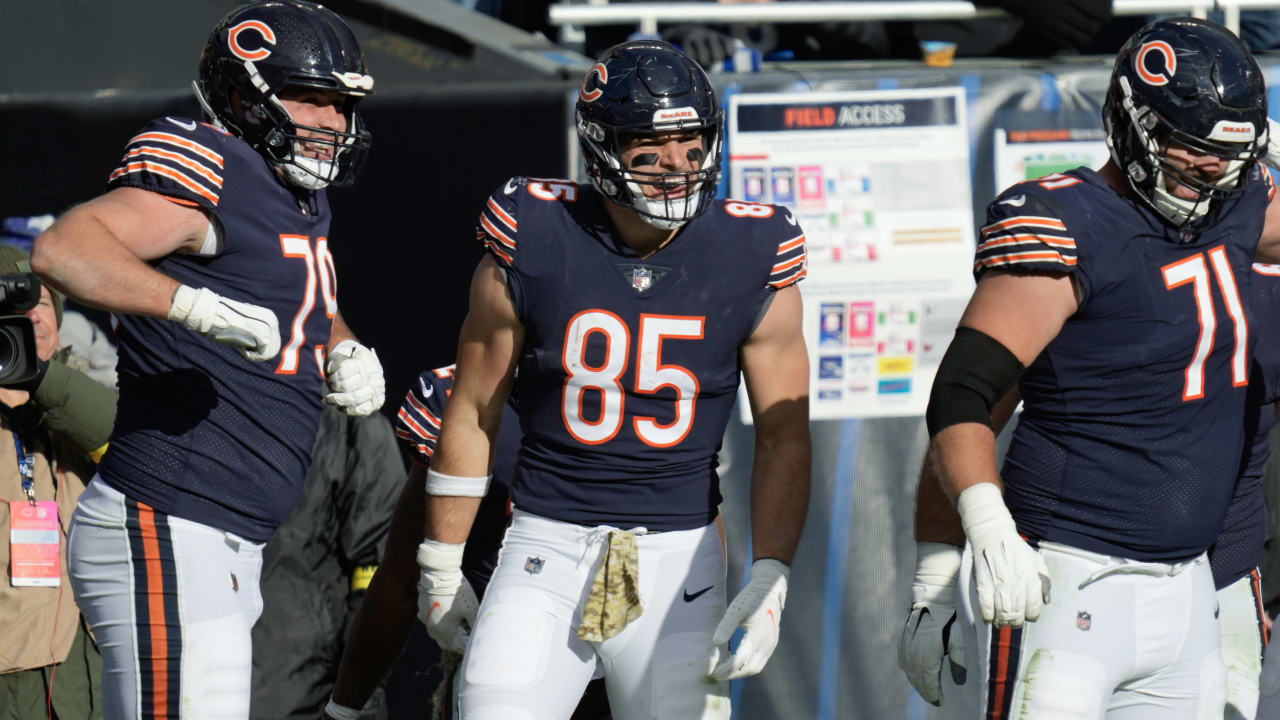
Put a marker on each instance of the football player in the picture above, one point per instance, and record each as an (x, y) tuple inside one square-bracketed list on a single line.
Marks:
[(385, 618), (630, 305), (1114, 300), (209, 234)]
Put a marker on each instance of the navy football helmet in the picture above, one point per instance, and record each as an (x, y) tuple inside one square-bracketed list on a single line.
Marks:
[(641, 88), (261, 48), (1189, 83)]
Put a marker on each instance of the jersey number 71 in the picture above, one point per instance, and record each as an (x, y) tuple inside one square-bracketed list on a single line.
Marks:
[(1193, 270)]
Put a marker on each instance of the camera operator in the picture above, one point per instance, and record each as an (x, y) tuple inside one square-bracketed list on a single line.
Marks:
[(52, 429)]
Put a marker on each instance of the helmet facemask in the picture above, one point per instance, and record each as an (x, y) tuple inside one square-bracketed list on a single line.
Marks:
[(603, 147), (342, 152)]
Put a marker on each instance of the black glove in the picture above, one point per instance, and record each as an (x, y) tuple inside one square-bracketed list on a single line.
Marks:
[(706, 46), (1066, 23)]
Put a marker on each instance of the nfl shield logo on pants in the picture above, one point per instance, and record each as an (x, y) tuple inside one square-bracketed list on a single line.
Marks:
[(1084, 620), (641, 278), (533, 565)]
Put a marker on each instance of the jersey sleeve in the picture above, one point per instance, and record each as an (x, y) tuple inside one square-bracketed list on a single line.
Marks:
[(418, 422), (497, 228), (791, 261), (175, 157), (1025, 233)]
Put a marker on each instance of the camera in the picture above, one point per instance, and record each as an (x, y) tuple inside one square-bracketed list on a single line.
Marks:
[(19, 292)]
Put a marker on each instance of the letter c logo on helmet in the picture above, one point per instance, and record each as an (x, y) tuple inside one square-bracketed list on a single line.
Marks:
[(1164, 69), (601, 72), (233, 40)]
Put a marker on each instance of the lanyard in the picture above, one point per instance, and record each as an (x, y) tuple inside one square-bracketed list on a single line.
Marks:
[(26, 467)]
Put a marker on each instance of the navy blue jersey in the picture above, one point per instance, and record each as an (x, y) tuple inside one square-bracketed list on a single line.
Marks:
[(418, 427), (1130, 440), (201, 432), (1238, 549), (629, 368)]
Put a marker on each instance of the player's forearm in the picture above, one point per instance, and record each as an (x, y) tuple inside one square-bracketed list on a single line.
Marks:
[(449, 518), (936, 517), (966, 456), (779, 495), (80, 256), (339, 331)]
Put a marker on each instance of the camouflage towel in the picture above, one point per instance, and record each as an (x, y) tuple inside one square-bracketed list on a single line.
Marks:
[(615, 593)]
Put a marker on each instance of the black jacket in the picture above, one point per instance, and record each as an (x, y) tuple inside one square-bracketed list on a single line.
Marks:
[(339, 526)]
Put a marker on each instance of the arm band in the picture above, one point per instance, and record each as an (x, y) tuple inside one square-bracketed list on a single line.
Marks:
[(975, 373), (454, 485)]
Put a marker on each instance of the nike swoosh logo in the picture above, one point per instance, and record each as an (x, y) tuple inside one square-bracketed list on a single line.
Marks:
[(1018, 201), (188, 126), (791, 218), (428, 391), (433, 608), (690, 597), (511, 186)]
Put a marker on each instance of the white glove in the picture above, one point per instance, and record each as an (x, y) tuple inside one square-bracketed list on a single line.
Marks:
[(758, 609), (446, 603), (355, 378), (930, 632), (1011, 577), (250, 329)]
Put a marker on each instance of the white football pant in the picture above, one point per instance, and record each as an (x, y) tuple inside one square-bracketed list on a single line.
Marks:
[(1120, 639), (525, 660), (1243, 640), (171, 603)]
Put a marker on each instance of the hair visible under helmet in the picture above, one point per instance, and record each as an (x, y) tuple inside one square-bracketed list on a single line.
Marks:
[(645, 88), (1192, 83), (262, 48)]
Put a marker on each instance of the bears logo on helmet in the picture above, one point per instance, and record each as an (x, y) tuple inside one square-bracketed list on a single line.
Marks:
[(601, 73), (1169, 65), (260, 49), (1186, 83), (233, 40), (646, 88)]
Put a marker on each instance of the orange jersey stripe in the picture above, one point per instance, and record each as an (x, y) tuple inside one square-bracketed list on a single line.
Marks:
[(791, 244), (497, 251), (174, 175), (417, 427), (155, 608), (1032, 220), (496, 233), (1025, 238), (502, 215), (417, 405), (191, 165), (1014, 258), (787, 264), (795, 277), (181, 142)]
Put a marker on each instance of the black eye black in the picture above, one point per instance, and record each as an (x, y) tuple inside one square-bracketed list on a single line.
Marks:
[(644, 159)]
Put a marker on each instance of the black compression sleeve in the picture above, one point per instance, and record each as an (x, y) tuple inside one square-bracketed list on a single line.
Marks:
[(975, 373)]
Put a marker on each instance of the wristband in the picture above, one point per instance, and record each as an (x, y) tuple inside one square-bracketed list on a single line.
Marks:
[(455, 485)]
